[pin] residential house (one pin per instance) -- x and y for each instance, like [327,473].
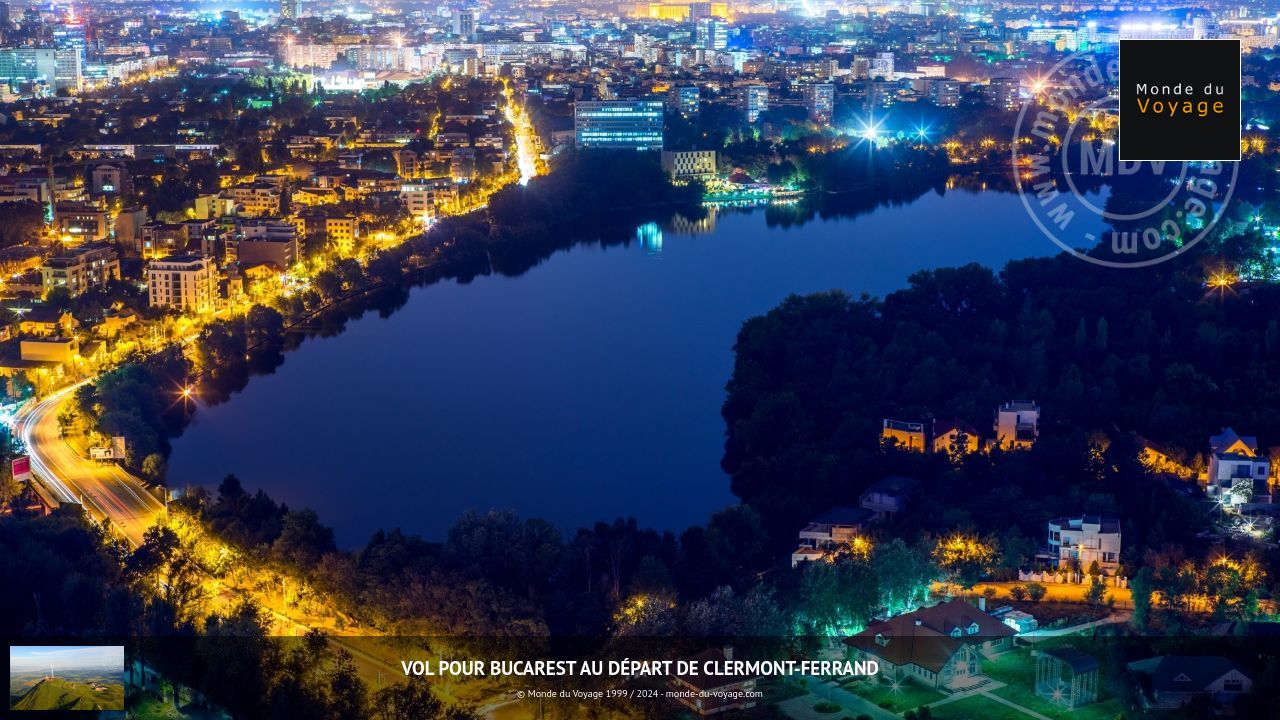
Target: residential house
[1237,471]
[1171,681]
[837,527]
[888,495]
[114,322]
[1160,459]
[708,694]
[47,321]
[1017,425]
[955,435]
[1085,540]
[907,435]
[940,647]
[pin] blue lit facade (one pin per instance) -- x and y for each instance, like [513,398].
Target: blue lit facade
[618,124]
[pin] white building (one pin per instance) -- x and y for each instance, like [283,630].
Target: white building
[820,101]
[1237,471]
[1017,425]
[838,527]
[690,164]
[1087,539]
[184,282]
[256,199]
[755,100]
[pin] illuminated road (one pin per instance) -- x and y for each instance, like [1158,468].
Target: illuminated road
[110,494]
[119,500]
[526,140]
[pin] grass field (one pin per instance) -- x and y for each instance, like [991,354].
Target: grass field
[977,707]
[908,696]
[1016,669]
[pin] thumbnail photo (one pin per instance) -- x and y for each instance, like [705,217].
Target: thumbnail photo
[66,677]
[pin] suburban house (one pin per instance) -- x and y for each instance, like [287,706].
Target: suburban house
[1171,681]
[888,495]
[1237,471]
[955,435]
[907,435]
[1161,460]
[839,526]
[940,647]
[47,321]
[1017,425]
[712,694]
[1086,539]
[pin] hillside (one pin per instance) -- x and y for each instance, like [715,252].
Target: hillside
[60,694]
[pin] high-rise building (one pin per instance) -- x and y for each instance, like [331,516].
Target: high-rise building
[712,34]
[290,9]
[37,67]
[464,24]
[755,100]
[618,124]
[69,69]
[882,65]
[684,99]
[699,10]
[820,101]
[944,92]
[1003,92]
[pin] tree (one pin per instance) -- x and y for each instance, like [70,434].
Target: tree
[348,696]
[20,222]
[303,540]
[154,467]
[1097,593]
[966,557]
[1036,591]
[413,700]
[9,488]
[837,599]
[1141,587]
[903,575]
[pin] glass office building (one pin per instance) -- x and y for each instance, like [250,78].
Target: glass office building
[618,124]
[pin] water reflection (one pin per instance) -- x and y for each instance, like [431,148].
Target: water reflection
[538,386]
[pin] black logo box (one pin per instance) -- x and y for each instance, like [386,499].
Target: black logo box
[1181,137]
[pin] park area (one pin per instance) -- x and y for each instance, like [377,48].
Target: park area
[1017,670]
[895,696]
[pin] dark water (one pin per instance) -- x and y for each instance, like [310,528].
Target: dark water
[586,389]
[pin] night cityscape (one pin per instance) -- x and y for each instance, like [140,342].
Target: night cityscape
[523,359]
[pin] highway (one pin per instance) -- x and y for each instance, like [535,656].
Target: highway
[111,495]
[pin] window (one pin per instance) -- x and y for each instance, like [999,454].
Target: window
[1233,685]
[955,632]
[973,628]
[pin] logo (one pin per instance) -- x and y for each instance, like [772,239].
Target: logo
[1069,174]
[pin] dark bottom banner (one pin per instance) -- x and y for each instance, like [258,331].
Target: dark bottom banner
[958,671]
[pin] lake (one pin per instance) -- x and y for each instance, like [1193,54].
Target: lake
[586,389]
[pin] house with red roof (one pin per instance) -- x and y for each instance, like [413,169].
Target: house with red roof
[940,647]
